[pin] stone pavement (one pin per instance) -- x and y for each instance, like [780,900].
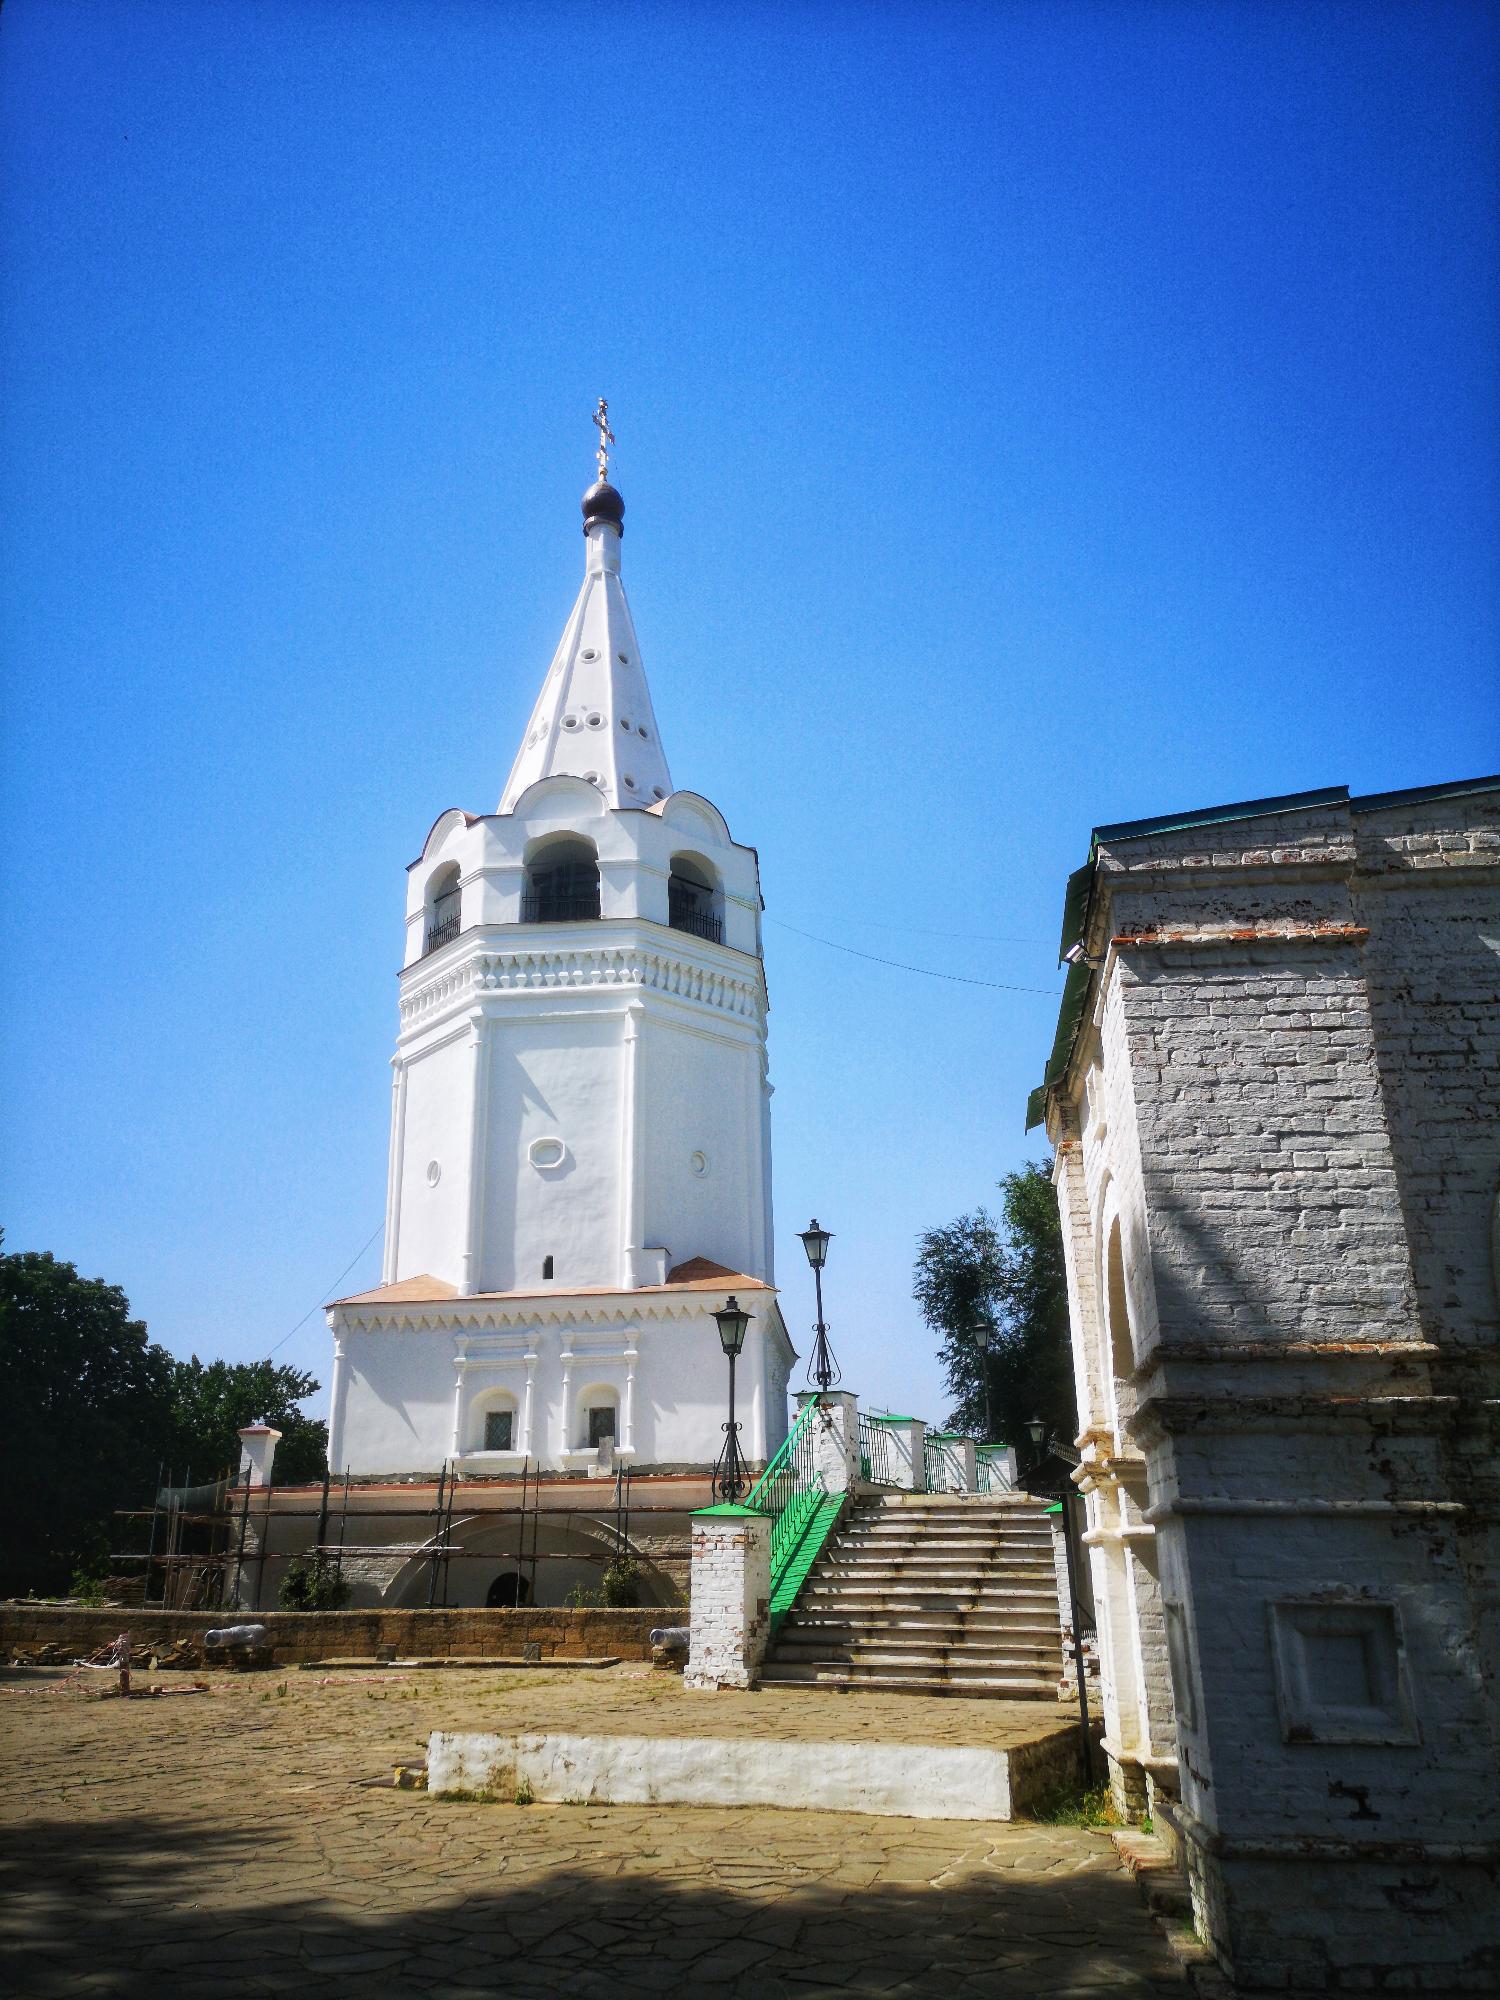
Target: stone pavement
[223,1845]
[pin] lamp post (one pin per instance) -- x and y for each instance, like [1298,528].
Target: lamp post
[730,1476]
[980,1332]
[822,1368]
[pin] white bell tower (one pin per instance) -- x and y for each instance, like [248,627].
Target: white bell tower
[580,1124]
[580,1080]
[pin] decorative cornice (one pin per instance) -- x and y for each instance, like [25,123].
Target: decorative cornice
[467,1317]
[579,968]
[1195,937]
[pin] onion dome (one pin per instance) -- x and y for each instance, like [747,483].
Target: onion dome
[603,503]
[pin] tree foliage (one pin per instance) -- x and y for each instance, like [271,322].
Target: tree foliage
[214,1400]
[312,1583]
[95,1410]
[88,1408]
[1008,1272]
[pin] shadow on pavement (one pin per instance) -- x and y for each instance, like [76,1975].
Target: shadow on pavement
[123,1907]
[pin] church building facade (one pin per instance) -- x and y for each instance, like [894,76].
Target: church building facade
[1274,1100]
[580,1166]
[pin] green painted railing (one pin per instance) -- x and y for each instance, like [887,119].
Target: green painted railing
[801,1510]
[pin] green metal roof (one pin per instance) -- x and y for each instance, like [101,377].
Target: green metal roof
[1070,1014]
[1377,801]
[1138,829]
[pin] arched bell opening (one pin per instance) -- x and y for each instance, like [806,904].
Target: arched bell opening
[562,882]
[695,900]
[443,916]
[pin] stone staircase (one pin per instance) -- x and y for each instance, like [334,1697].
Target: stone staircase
[922,1593]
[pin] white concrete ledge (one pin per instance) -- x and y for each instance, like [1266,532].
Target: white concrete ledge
[910,1780]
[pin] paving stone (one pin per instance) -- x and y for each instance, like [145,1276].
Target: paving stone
[200,1846]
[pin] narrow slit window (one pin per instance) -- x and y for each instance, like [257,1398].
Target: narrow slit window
[546,1268]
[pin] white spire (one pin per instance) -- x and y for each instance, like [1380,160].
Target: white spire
[593,718]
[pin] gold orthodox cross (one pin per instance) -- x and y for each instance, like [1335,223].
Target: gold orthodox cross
[606,437]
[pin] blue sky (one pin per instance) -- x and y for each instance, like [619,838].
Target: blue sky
[1029,417]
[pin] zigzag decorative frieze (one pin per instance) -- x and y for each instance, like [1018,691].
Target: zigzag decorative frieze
[614,966]
[468,1317]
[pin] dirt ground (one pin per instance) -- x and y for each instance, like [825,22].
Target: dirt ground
[230,1843]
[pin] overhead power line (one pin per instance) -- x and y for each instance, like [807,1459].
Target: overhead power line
[327,1295]
[926,971]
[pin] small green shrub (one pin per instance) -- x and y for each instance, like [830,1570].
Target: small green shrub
[312,1583]
[524,1794]
[86,1587]
[584,1597]
[621,1583]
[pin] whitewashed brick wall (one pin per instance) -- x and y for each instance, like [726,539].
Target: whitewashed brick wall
[730,1598]
[1289,1093]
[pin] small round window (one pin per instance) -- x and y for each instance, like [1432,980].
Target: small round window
[588,653]
[596,721]
[623,658]
[546,1153]
[630,781]
[699,1164]
[643,732]
[570,722]
[434,1173]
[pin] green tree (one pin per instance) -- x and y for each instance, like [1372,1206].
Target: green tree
[212,1401]
[1010,1274]
[88,1407]
[95,1409]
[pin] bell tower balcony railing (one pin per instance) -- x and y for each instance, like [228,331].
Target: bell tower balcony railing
[442,933]
[565,909]
[698,923]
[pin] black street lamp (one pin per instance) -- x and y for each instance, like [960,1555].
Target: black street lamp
[730,1474]
[822,1368]
[980,1332]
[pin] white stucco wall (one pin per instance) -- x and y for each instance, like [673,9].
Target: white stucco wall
[413,1386]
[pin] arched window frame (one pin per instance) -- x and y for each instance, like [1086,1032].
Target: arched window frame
[597,1395]
[1119,1348]
[493,1401]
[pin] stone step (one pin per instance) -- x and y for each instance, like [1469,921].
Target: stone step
[916,1656]
[917,1590]
[996,1630]
[1038,1576]
[984,1547]
[898,1560]
[1010,1687]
